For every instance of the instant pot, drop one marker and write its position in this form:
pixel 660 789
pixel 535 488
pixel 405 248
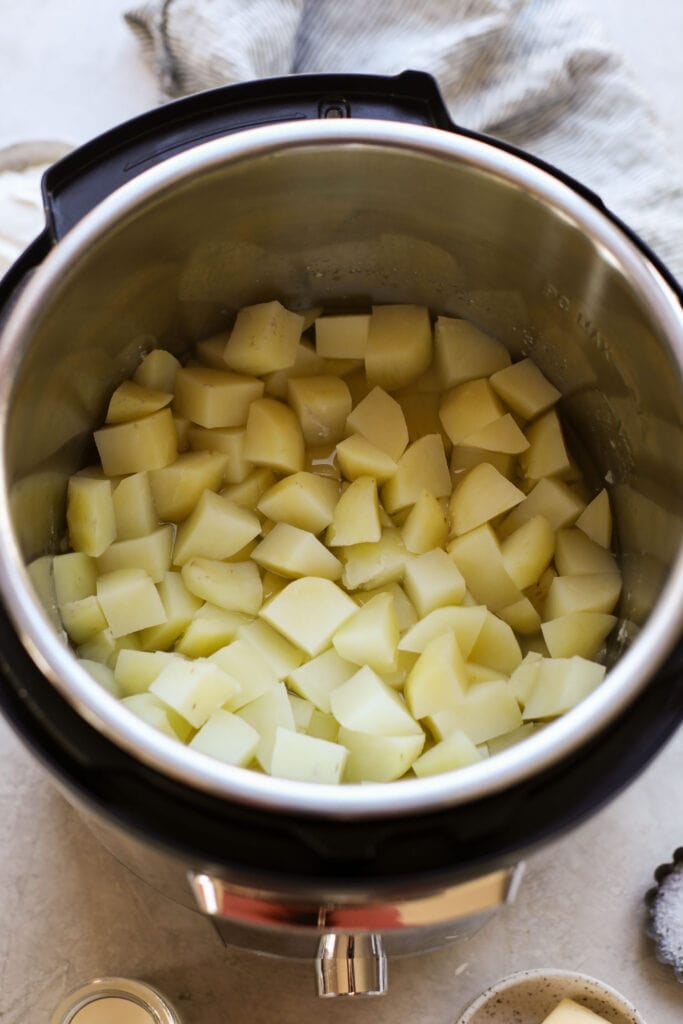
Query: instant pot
pixel 338 191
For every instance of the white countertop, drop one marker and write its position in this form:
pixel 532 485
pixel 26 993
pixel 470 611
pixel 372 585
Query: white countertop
pixel 70 912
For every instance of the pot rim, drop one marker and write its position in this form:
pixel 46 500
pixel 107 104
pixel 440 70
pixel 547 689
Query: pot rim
pixel 56 660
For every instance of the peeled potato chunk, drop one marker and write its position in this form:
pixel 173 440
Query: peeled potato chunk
pixel 378 758
pixel 399 345
pixel 247 493
pixel 134 507
pixel 302 499
pixel 90 515
pixel 264 338
pixel 502 435
pixel 226 737
pixel 274 437
pixel 581 633
pixel 366 704
pixel 215 398
pixel 560 684
pixel 522 616
pixel 438 679
pixel 217 528
pixel 465 410
pixel 309 612
pixel 159 715
pixel 550 498
pixel 596 520
pixel 464 458
pixel 151 553
pixel 179 605
pixel 465 623
pixel 487 710
pixel 82 618
pixel 356 515
pixel 374 564
pixel 281 656
pixel 380 420
pixel 456 751
pixel 576 554
pixel 524 389
pixel 481 496
pixel 496 646
pixel 157 371
pixel 322 405
pixel 405 613
pixel 211 628
pixel 194 689
pixel 244 663
pixel 342 337
pixel 267 714
pixel 129 600
pixel 292 552
pixel 433 580
pixel 135 671
pixel 547 454
pixel 359 457
pixel 422 467
pixel 570 1012
pixel 478 556
pixel 74 577
pixel 592 592
pixel 229 442
pixel 462 352
pixel 234 586
pixel 317 677
pixel 307 759
pixel 370 636
pixel 528 551
pixel 149 443
pixel 426 526
pixel 177 488
pixel 131 401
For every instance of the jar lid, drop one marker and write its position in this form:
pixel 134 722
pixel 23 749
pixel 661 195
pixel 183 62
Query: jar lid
pixel 115 1001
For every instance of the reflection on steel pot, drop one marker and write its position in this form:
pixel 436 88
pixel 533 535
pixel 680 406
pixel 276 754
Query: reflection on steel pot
pixel 388 203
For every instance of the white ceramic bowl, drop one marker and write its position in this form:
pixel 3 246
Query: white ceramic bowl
pixel 529 996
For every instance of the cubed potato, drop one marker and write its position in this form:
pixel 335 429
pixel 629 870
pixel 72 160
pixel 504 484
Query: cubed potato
pixel 229 441
pixel 209 351
pixel 510 739
pixel 102 675
pixel 309 612
pixel 399 345
pixel 90 515
pixel 463 459
pixel 248 493
pixel 496 646
pixel 321 405
pixel 422 467
pixel 302 711
pixel 465 623
pixel 550 498
pixel 105 647
pixel 306 758
pixel 156 713
pixel 547 454
pixel 264 338
pixel 180 607
pixel 194 689
pixel 234 586
pixel 438 680
pixel 130 601
pixel 464 410
pixel 177 488
pixel 268 713
pixel 487 710
pixel 307 363
pixel 272 584
pixel 592 592
pixel 561 683
pixel 134 509
pixel 244 663
pixel 522 616
pixel 342 337
pixel 480 496
pixel 421 411
pixel 576 554
pixel 182 432
pixel 149 443
pixel 378 758
pixel 82 619
pixel 281 656
pixel 380 420
pixel 132 401
pixel 456 751
pixel 367 566
pixel 479 558
pixel 217 528
pixel 406 616
pixel 317 677
pixel 580 633
pixel 135 671
pixel 462 352
pixel 215 398
pixel 356 515
pixel 303 500
pixel 502 435
pixel 524 676
pixel 211 628
pixel 596 520
pixel 323 462
pixel 568 1011
pixel 323 725
pixel 370 636
pixel 274 437
pixel 226 737
pixel 432 580
pixel 292 552
pixel 151 553
pixel 528 551
pixel 524 389
pixel 357 457
pixel 157 371
pixel 426 526
pixel 366 704
pixel 74 575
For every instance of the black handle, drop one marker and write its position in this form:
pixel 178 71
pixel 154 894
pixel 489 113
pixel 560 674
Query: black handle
pixel 79 181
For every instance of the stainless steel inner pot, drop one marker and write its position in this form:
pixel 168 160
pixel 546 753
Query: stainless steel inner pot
pixel 345 213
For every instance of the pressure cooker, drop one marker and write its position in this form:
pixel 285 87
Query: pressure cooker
pixel 339 191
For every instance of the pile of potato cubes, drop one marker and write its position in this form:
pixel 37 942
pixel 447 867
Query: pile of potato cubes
pixel 338 548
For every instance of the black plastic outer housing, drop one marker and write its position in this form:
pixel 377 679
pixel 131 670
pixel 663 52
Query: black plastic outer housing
pixel 444 844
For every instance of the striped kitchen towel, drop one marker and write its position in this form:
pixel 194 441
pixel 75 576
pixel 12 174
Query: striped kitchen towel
pixel 536 73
